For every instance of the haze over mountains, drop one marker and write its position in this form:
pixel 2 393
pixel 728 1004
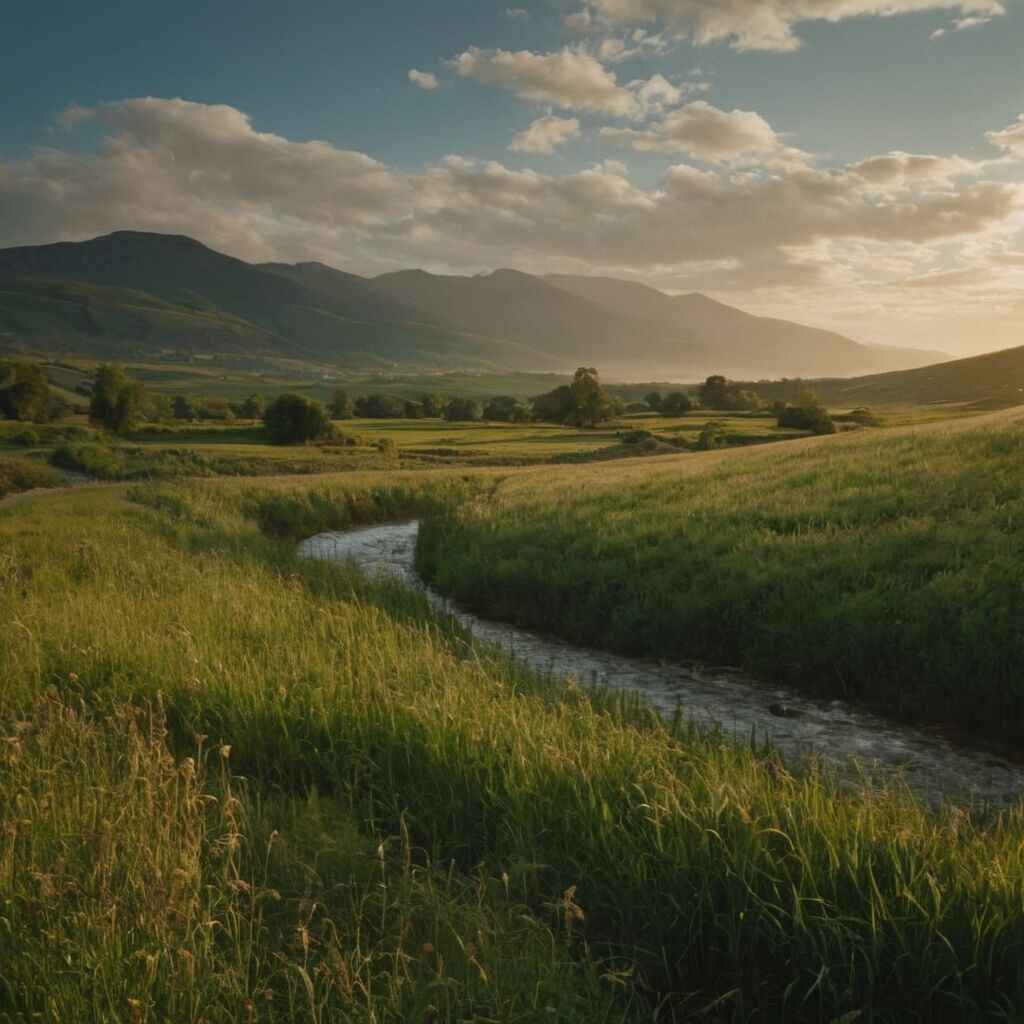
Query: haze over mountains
pixel 137 294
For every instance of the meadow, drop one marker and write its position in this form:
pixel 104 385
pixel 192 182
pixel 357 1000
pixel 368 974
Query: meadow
pixel 240 786
pixel 882 566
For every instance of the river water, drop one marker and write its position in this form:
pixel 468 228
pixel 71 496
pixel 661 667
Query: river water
pixel 857 743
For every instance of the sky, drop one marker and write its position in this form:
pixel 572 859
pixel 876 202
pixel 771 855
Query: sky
pixel 853 164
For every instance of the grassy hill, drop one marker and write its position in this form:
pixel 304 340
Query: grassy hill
pixel 991 380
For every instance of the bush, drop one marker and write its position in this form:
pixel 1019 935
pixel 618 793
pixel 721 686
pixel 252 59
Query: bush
pixel 712 436
pixel 26 438
pixel 20 475
pixel 463 409
pixel 117 400
pixel 95 459
pixel 675 404
pixel 807 414
pixel 295 419
pixel 24 392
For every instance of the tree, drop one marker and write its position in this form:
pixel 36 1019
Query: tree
pixel 253 407
pixel 117 400
pixel 591 403
pixel 459 409
pixel 413 410
pixel 184 408
pixel 506 409
pixel 379 407
pixel 675 404
pixel 653 400
pixel 293 419
pixel 718 393
pixel 24 392
pixel 341 405
pixel 554 406
pixel 433 405
pixel 807 414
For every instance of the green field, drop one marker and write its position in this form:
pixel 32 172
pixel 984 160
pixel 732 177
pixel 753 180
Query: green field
pixel 309 800
pixel 881 565
pixel 240 786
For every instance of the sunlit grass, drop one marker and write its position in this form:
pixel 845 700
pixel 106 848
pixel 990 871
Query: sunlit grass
pixel 706 877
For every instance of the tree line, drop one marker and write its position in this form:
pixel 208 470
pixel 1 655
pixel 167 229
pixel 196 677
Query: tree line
pixel 117 403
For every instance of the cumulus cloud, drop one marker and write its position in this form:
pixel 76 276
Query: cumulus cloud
pixel 1010 138
pixel 898 170
pixel 768 24
pixel 424 79
pixel 545 134
pixel 705 132
pixel 204 170
pixel 568 78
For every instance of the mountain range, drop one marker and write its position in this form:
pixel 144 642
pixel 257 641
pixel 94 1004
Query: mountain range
pixel 133 294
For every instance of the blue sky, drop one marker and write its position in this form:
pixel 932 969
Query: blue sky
pixel 722 115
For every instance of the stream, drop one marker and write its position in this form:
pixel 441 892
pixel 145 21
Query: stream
pixel 857 743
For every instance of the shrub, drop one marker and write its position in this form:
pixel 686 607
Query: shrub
pixel 20 475
pixel 24 392
pixel 294 419
pixel 117 400
pixel 26 438
pixel 807 414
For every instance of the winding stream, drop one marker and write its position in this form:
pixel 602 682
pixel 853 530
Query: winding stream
pixel 856 742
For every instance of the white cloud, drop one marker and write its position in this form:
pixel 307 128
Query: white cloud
pixel 705 132
pixel 517 13
pixel 1010 138
pixel 545 134
pixel 73 115
pixel 568 78
pixel 767 24
pixel 424 79
pixel 175 166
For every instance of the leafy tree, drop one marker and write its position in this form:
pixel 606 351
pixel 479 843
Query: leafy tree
pixel 718 393
pixel 554 406
pixel 117 400
pixel 459 409
pixel 380 407
pixel 293 419
pixel 253 407
pixel 506 409
pixel 341 405
pixel 591 403
pixel 413 410
pixel 807 414
pixel 184 408
pixel 675 404
pixel 653 400
pixel 433 405
pixel 24 392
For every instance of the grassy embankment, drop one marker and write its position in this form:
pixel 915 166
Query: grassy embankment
pixel 883 566
pixel 237 786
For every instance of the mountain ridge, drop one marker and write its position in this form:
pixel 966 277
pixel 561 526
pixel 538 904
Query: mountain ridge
pixel 144 291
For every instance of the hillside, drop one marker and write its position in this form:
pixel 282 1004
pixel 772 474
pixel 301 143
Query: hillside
pixel 994 379
pixel 133 294
pixel 765 346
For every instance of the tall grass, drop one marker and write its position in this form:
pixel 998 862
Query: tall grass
pixel 883 566
pixel 568 857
